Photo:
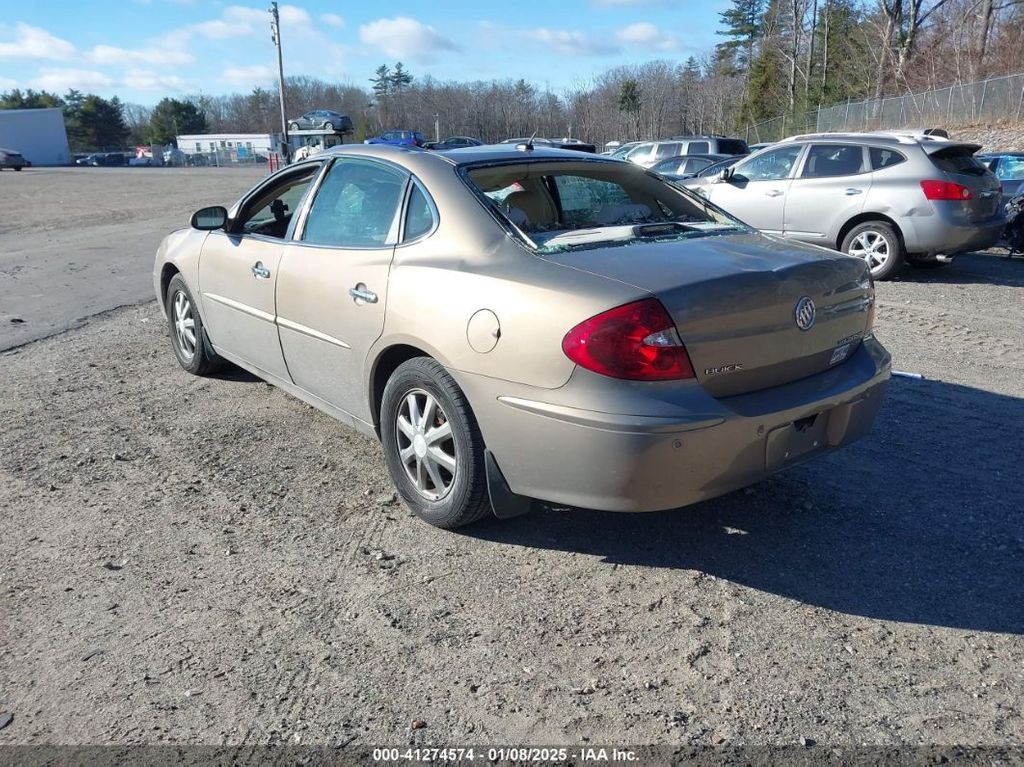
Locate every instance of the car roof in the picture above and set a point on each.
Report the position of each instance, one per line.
(470, 155)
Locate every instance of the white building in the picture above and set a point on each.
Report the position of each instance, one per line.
(39, 134)
(241, 143)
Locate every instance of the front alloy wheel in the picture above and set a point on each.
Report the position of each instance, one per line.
(192, 348)
(426, 445)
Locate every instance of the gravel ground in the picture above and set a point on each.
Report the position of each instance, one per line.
(211, 561)
(77, 241)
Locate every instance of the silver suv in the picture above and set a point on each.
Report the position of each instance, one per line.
(885, 197)
(650, 153)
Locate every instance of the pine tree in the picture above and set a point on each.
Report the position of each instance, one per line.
(382, 82)
(743, 24)
(400, 78)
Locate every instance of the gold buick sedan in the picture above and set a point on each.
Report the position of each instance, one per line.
(518, 323)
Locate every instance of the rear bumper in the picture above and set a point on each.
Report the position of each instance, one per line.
(680, 445)
(938, 235)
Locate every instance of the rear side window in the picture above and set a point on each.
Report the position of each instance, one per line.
(827, 160)
(419, 219)
(698, 147)
(664, 151)
(732, 146)
(885, 158)
(959, 160)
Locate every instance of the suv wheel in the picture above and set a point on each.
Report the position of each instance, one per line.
(878, 244)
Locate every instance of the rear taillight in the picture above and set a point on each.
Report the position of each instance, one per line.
(945, 190)
(638, 342)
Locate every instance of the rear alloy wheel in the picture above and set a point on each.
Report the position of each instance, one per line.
(432, 445)
(293, 126)
(188, 337)
(329, 126)
(878, 244)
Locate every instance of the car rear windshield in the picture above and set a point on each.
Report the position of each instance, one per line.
(959, 159)
(563, 205)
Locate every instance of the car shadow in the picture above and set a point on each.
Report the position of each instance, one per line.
(989, 268)
(235, 374)
(920, 522)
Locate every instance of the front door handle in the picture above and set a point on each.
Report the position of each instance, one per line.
(773, 193)
(361, 293)
(852, 191)
(260, 272)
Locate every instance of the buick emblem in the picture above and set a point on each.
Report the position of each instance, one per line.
(804, 313)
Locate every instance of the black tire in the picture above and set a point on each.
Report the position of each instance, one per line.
(18, 169)
(876, 232)
(464, 499)
(203, 360)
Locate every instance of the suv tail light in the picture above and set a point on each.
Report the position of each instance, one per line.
(637, 341)
(945, 190)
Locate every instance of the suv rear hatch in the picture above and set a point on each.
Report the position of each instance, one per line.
(734, 298)
(958, 163)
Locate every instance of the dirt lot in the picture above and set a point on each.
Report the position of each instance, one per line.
(212, 561)
(76, 241)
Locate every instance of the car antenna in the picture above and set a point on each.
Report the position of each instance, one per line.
(528, 146)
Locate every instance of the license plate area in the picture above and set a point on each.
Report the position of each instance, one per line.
(796, 441)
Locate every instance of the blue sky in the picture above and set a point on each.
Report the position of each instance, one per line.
(142, 50)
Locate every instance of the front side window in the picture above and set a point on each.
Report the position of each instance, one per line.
(1010, 169)
(769, 166)
(270, 211)
(827, 160)
(572, 205)
(356, 205)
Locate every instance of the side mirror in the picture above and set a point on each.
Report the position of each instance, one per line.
(724, 176)
(208, 219)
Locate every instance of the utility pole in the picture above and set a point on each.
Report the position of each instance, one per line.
(275, 29)
(437, 127)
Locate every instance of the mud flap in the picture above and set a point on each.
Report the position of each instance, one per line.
(504, 502)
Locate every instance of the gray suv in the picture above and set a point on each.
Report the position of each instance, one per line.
(885, 197)
(650, 153)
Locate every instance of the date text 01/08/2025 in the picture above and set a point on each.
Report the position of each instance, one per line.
(504, 754)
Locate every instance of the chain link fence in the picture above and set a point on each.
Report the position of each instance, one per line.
(998, 98)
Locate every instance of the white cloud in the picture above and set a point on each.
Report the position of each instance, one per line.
(35, 43)
(145, 80)
(239, 21)
(405, 38)
(62, 79)
(7, 84)
(248, 77)
(109, 54)
(646, 35)
(332, 20)
(569, 42)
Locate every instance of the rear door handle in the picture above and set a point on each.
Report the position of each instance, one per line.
(773, 193)
(260, 272)
(852, 191)
(360, 293)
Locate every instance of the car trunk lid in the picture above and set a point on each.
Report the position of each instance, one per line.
(734, 301)
(960, 165)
